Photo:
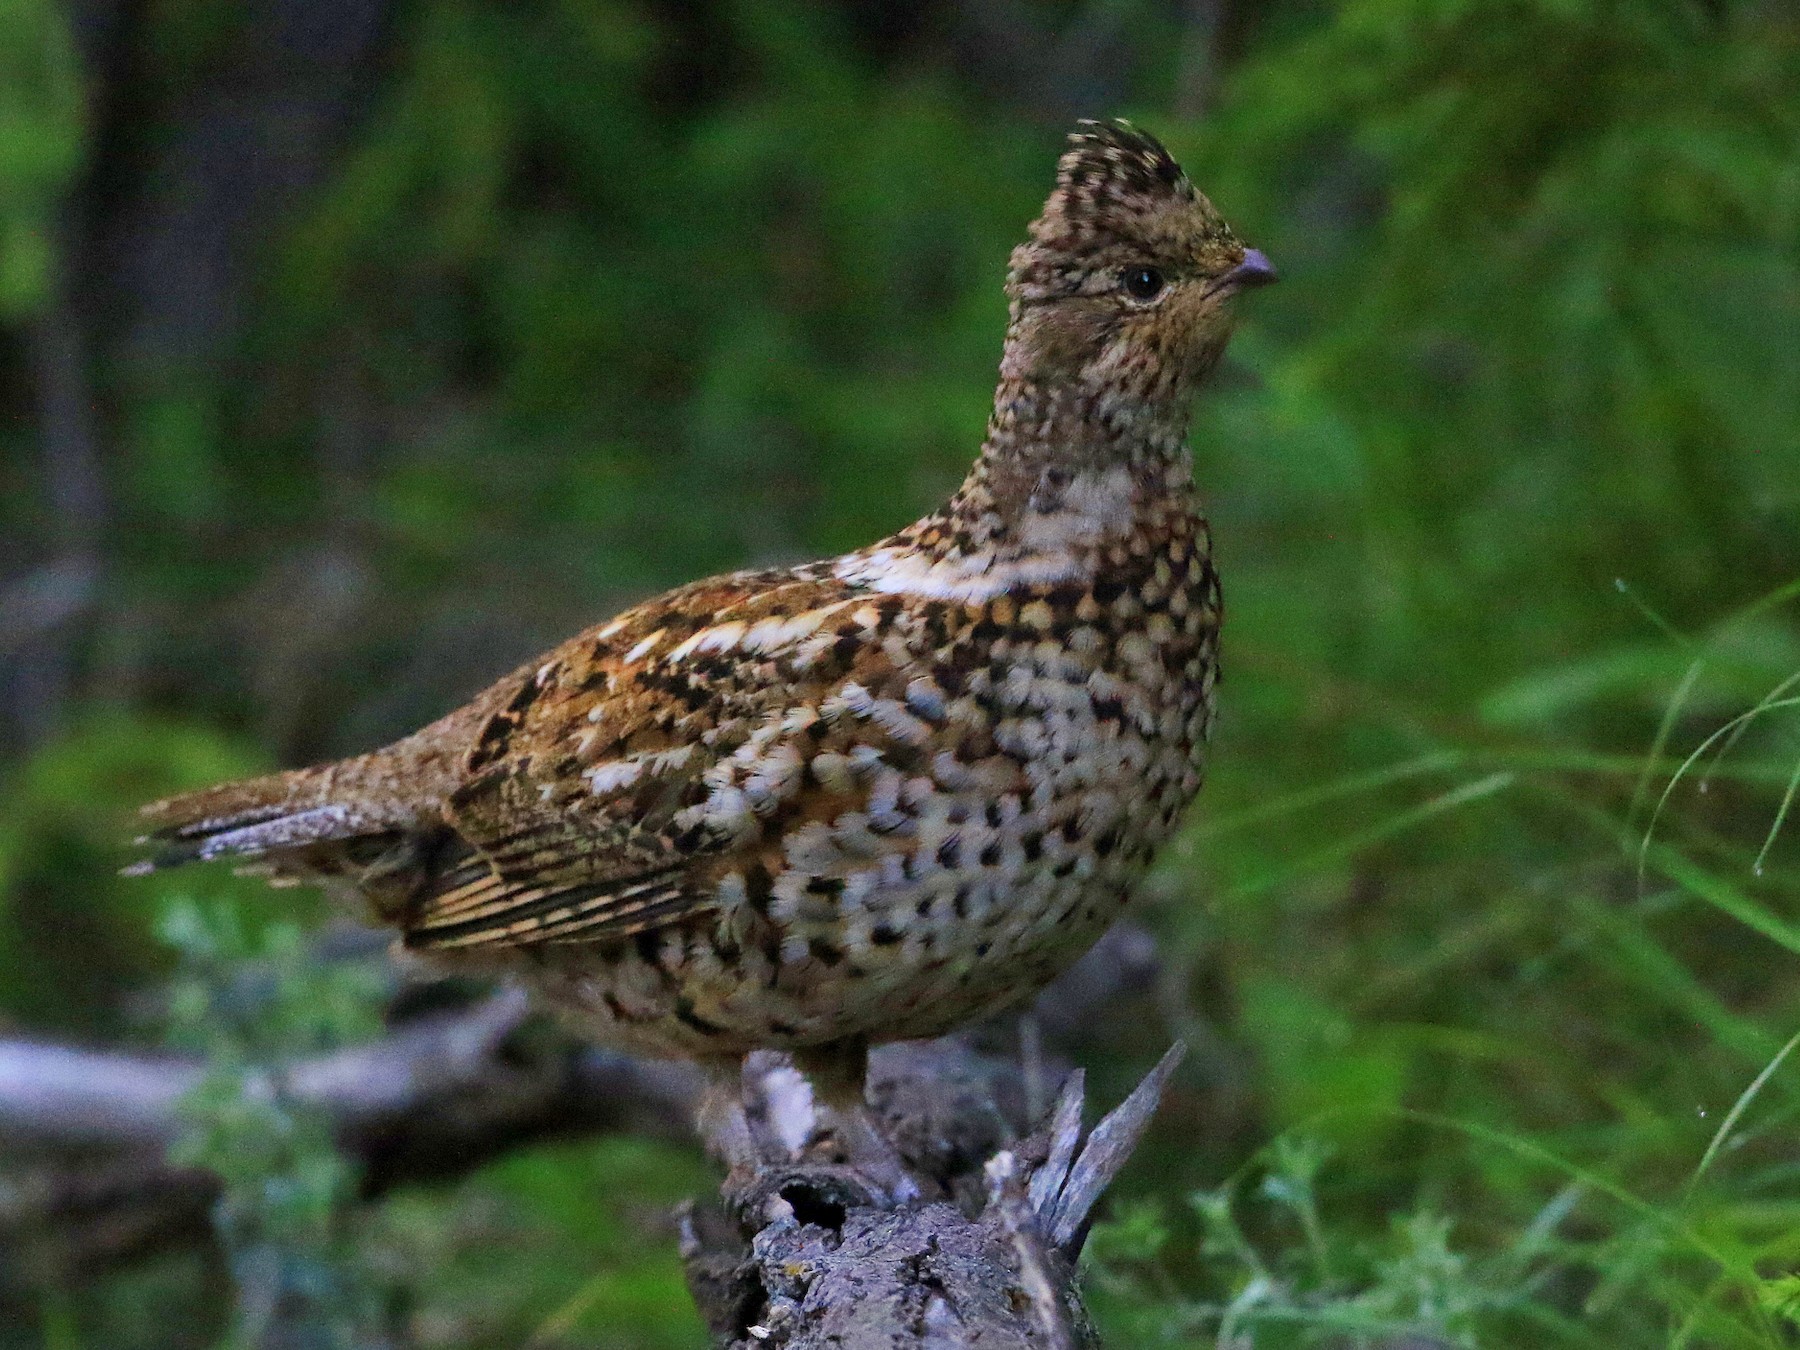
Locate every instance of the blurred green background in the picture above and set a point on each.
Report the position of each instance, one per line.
(352, 351)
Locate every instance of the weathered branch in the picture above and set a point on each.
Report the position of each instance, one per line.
(794, 1256)
(416, 1080)
(808, 1264)
(436, 1098)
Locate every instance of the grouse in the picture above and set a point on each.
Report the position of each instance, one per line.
(863, 799)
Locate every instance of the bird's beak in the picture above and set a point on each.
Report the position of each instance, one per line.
(1254, 270)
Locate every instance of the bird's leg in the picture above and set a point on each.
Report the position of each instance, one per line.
(838, 1073)
(720, 1118)
(756, 1117)
(755, 1113)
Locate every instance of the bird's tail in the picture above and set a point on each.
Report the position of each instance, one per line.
(376, 821)
(278, 814)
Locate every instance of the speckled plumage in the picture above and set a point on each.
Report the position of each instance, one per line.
(864, 799)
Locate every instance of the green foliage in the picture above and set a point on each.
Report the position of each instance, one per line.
(285, 1214)
(1496, 829)
(40, 146)
(72, 933)
(1495, 888)
(1567, 1277)
(569, 1245)
(543, 1248)
(1310, 1286)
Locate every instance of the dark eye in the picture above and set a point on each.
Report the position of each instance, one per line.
(1144, 283)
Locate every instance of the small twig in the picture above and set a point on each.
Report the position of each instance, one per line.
(1109, 1147)
(1065, 1136)
(1007, 1198)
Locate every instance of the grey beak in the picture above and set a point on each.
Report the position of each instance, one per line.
(1254, 270)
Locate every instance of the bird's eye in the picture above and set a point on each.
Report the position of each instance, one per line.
(1144, 283)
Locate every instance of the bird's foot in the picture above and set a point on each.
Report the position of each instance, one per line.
(868, 1151)
(784, 1140)
(847, 1162)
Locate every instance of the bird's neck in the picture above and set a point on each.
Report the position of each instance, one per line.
(1071, 478)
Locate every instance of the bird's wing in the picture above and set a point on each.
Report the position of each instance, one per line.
(614, 785)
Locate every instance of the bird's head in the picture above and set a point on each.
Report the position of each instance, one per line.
(1126, 280)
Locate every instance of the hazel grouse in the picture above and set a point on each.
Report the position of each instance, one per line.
(864, 799)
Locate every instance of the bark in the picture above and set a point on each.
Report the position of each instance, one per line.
(800, 1258)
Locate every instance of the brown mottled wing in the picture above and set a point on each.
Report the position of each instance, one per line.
(641, 758)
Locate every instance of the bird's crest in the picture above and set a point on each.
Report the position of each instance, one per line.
(1112, 166)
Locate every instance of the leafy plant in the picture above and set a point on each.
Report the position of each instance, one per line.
(286, 1213)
